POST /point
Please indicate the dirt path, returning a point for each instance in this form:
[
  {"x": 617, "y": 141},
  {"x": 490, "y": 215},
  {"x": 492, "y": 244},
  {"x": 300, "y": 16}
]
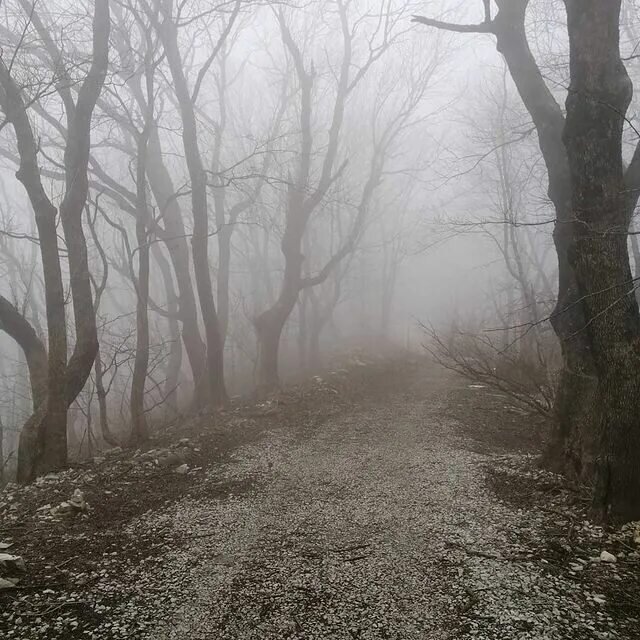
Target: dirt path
[
  {"x": 378, "y": 525},
  {"x": 373, "y": 521},
  {"x": 342, "y": 536}
]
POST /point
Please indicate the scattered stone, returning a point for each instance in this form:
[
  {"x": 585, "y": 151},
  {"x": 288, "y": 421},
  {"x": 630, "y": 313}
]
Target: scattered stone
[
  {"x": 183, "y": 469},
  {"x": 70, "y": 508},
  {"x": 7, "y": 584},
  {"x": 169, "y": 460},
  {"x": 297, "y": 568},
  {"x": 605, "y": 556},
  {"x": 11, "y": 565}
]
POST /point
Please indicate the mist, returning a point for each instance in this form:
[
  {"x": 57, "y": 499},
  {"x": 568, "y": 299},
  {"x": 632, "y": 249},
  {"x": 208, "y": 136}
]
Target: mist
[
  {"x": 278, "y": 116},
  {"x": 263, "y": 215}
]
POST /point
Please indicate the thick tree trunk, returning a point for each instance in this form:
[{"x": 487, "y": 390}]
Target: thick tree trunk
[
  {"x": 43, "y": 439},
  {"x": 635, "y": 251},
  {"x": 577, "y": 402},
  {"x": 599, "y": 96},
  {"x": 572, "y": 447},
  {"x": 270, "y": 323},
  {"x": 268, "y": 328}
]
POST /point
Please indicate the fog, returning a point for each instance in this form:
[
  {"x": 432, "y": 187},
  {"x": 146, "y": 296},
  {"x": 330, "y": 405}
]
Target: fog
[
  {"x": 319, "y": 319},
  {"x": 269, "y": 186},
  {"x": 363, "y": 140}
]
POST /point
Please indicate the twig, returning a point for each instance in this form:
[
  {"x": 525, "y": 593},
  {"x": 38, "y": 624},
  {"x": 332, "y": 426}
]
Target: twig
[{"x": 356, "y": 558}]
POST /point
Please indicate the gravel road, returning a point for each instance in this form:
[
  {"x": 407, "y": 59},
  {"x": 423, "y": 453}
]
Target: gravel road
[
  {"x": 376, "y": 524},
  {"x": 389, "y": 501}
]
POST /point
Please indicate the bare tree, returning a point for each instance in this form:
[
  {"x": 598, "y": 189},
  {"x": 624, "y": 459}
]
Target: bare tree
[
  {"x": 168, "y": 30},
  {"x": 99, "y": 288},
  {"x": 304, "y": 197},
  {"x": 596, "y": 317},
  {"x": 43, "y": 441},
  {"x": 169, "y": 227}
]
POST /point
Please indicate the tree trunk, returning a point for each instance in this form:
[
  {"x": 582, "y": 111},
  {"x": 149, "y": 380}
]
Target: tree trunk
[
  {"x": 635, "y": 250},
  {"x": 599, "y": 96},
  {"x": 577, "y": 401},
  {"x": 223, "y": 277},
  {"x": 174, "y": 363},
  {"x": 303, "y": 332},
  {"x": 103, "y": 413},
  {"x": 319, "y": 318},
  {"x": 139, "y": 427},
  {"x": 43, "y": 441},
  {"x": 174, "y": 238},
  {"x": 2, "y": 462},
  {"x": 573, "y": 446},
  {"x": 200, "y": 236},
  {"x": 268, "y": 328}
]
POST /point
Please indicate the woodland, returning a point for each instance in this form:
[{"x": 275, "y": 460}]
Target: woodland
[
  {"x": 319, "y": 319},
  {"x": 201, "y": 200}
]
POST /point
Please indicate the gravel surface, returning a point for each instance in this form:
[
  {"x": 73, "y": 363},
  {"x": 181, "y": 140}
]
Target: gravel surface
[{"x": 382, "y": 520}]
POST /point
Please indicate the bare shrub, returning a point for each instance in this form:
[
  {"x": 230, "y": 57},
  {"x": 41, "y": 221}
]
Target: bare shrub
[{"x": 524, "y": 370}]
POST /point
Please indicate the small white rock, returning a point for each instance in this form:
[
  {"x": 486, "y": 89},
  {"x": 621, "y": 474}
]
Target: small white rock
[{"x": 605, "y": 556}]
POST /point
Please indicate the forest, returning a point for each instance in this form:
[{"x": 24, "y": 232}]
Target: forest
[
  {"x": 180, "y": 184},
  {"x": 233, "y": 222}
]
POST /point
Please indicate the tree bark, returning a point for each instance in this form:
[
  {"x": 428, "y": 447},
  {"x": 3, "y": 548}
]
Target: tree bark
[
  {"x": 139, "y": 427},
  {"x": 103, "y": 412},
  {"x": 2, "y": 473},
  {"x": 175, "y": 239},
  {"x": 43, "y": 440},
  {"x": 599, "y": 96},
  {"x": 572, "y": 447},
  {"x": 14, "y": 324},
  {"x": 174, "y": 363},
  {"x": 269, "y": 326},
  {"x": 200, "y": 236}
]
